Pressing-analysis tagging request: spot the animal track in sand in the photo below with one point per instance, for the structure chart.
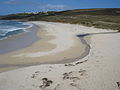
(74, 75)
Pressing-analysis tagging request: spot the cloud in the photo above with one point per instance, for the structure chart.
(53, 7)
(22, 2)
(35, 5)
(11, 2)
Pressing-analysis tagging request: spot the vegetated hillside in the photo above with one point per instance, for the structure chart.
(108, 18)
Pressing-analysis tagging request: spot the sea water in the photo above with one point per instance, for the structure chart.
(9, 28)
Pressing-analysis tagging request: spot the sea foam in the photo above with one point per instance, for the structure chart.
(9, 28)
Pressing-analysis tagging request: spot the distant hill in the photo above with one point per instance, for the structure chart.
(108, 18)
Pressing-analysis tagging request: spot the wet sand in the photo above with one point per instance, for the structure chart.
(19, 41)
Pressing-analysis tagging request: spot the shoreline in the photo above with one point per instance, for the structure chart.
(17, 42)
(59, 57)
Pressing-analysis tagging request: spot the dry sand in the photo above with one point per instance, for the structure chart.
(99, 70)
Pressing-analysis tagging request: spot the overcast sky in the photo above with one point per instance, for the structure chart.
(18, 6)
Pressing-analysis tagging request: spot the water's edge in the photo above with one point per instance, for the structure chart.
(17, 42)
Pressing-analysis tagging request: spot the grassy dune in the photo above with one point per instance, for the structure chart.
(107, 18)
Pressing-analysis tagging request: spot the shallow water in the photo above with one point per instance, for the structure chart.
(9, 28)
(19, 41)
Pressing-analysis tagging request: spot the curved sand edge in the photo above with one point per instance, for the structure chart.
(60, 50)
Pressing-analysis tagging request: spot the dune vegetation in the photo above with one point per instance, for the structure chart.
(106, 18)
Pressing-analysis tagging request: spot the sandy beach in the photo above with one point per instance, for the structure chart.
(56, 45)
(57, 50)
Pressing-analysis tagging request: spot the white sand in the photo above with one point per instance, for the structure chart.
(63, 40)
(100, 72)
(63, 34)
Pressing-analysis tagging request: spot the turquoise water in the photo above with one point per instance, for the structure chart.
(9, 28)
